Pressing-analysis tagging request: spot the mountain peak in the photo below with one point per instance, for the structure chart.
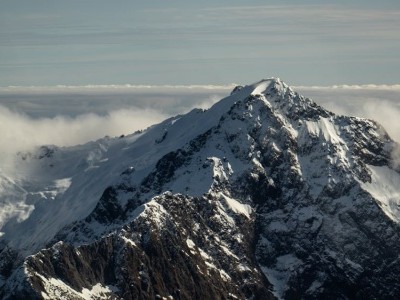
(273, 84)
(264, 195)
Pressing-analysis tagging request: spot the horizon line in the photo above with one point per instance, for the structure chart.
(93, 87)
(147, 87)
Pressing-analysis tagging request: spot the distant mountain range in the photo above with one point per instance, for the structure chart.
(265, 195)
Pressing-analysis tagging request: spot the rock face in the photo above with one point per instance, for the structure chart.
(265, 195)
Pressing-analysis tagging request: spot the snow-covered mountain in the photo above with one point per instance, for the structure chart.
(264, 195)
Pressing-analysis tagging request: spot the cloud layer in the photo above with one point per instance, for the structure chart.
(20, 132)
(68, 115)
(73, 115)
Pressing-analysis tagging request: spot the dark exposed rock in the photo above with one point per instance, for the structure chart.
(166, 252)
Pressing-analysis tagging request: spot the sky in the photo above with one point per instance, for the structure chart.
(81, 42)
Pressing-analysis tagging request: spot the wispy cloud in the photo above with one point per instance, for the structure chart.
(370, 87)
(122, 88)
(20, 132)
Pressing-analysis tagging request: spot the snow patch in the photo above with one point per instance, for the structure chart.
(224, 275)
(204, 254)
(156, 211)
(208, 261)
(98, 291)
(314, 287)
(57, 289)
(128, 241)
(173, 121)
(190, 244)
(62, 184)
(238, 207)
(384, 187)
(261, 87)
(280, 274)
(218, 169)
(228, 252)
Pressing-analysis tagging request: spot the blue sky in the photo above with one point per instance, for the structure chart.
(50, 42)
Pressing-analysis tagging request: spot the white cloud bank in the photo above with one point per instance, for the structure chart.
(23, 131)
(20, 132)
(73, 115)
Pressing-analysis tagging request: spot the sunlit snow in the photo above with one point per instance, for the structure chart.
(385, 187)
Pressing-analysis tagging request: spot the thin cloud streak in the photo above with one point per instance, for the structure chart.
(98, 88)
(123, 88)
(394, 87)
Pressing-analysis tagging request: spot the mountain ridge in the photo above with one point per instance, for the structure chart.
(285, 200)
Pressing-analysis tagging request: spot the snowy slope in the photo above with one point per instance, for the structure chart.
(264, 195)
(88, 170)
